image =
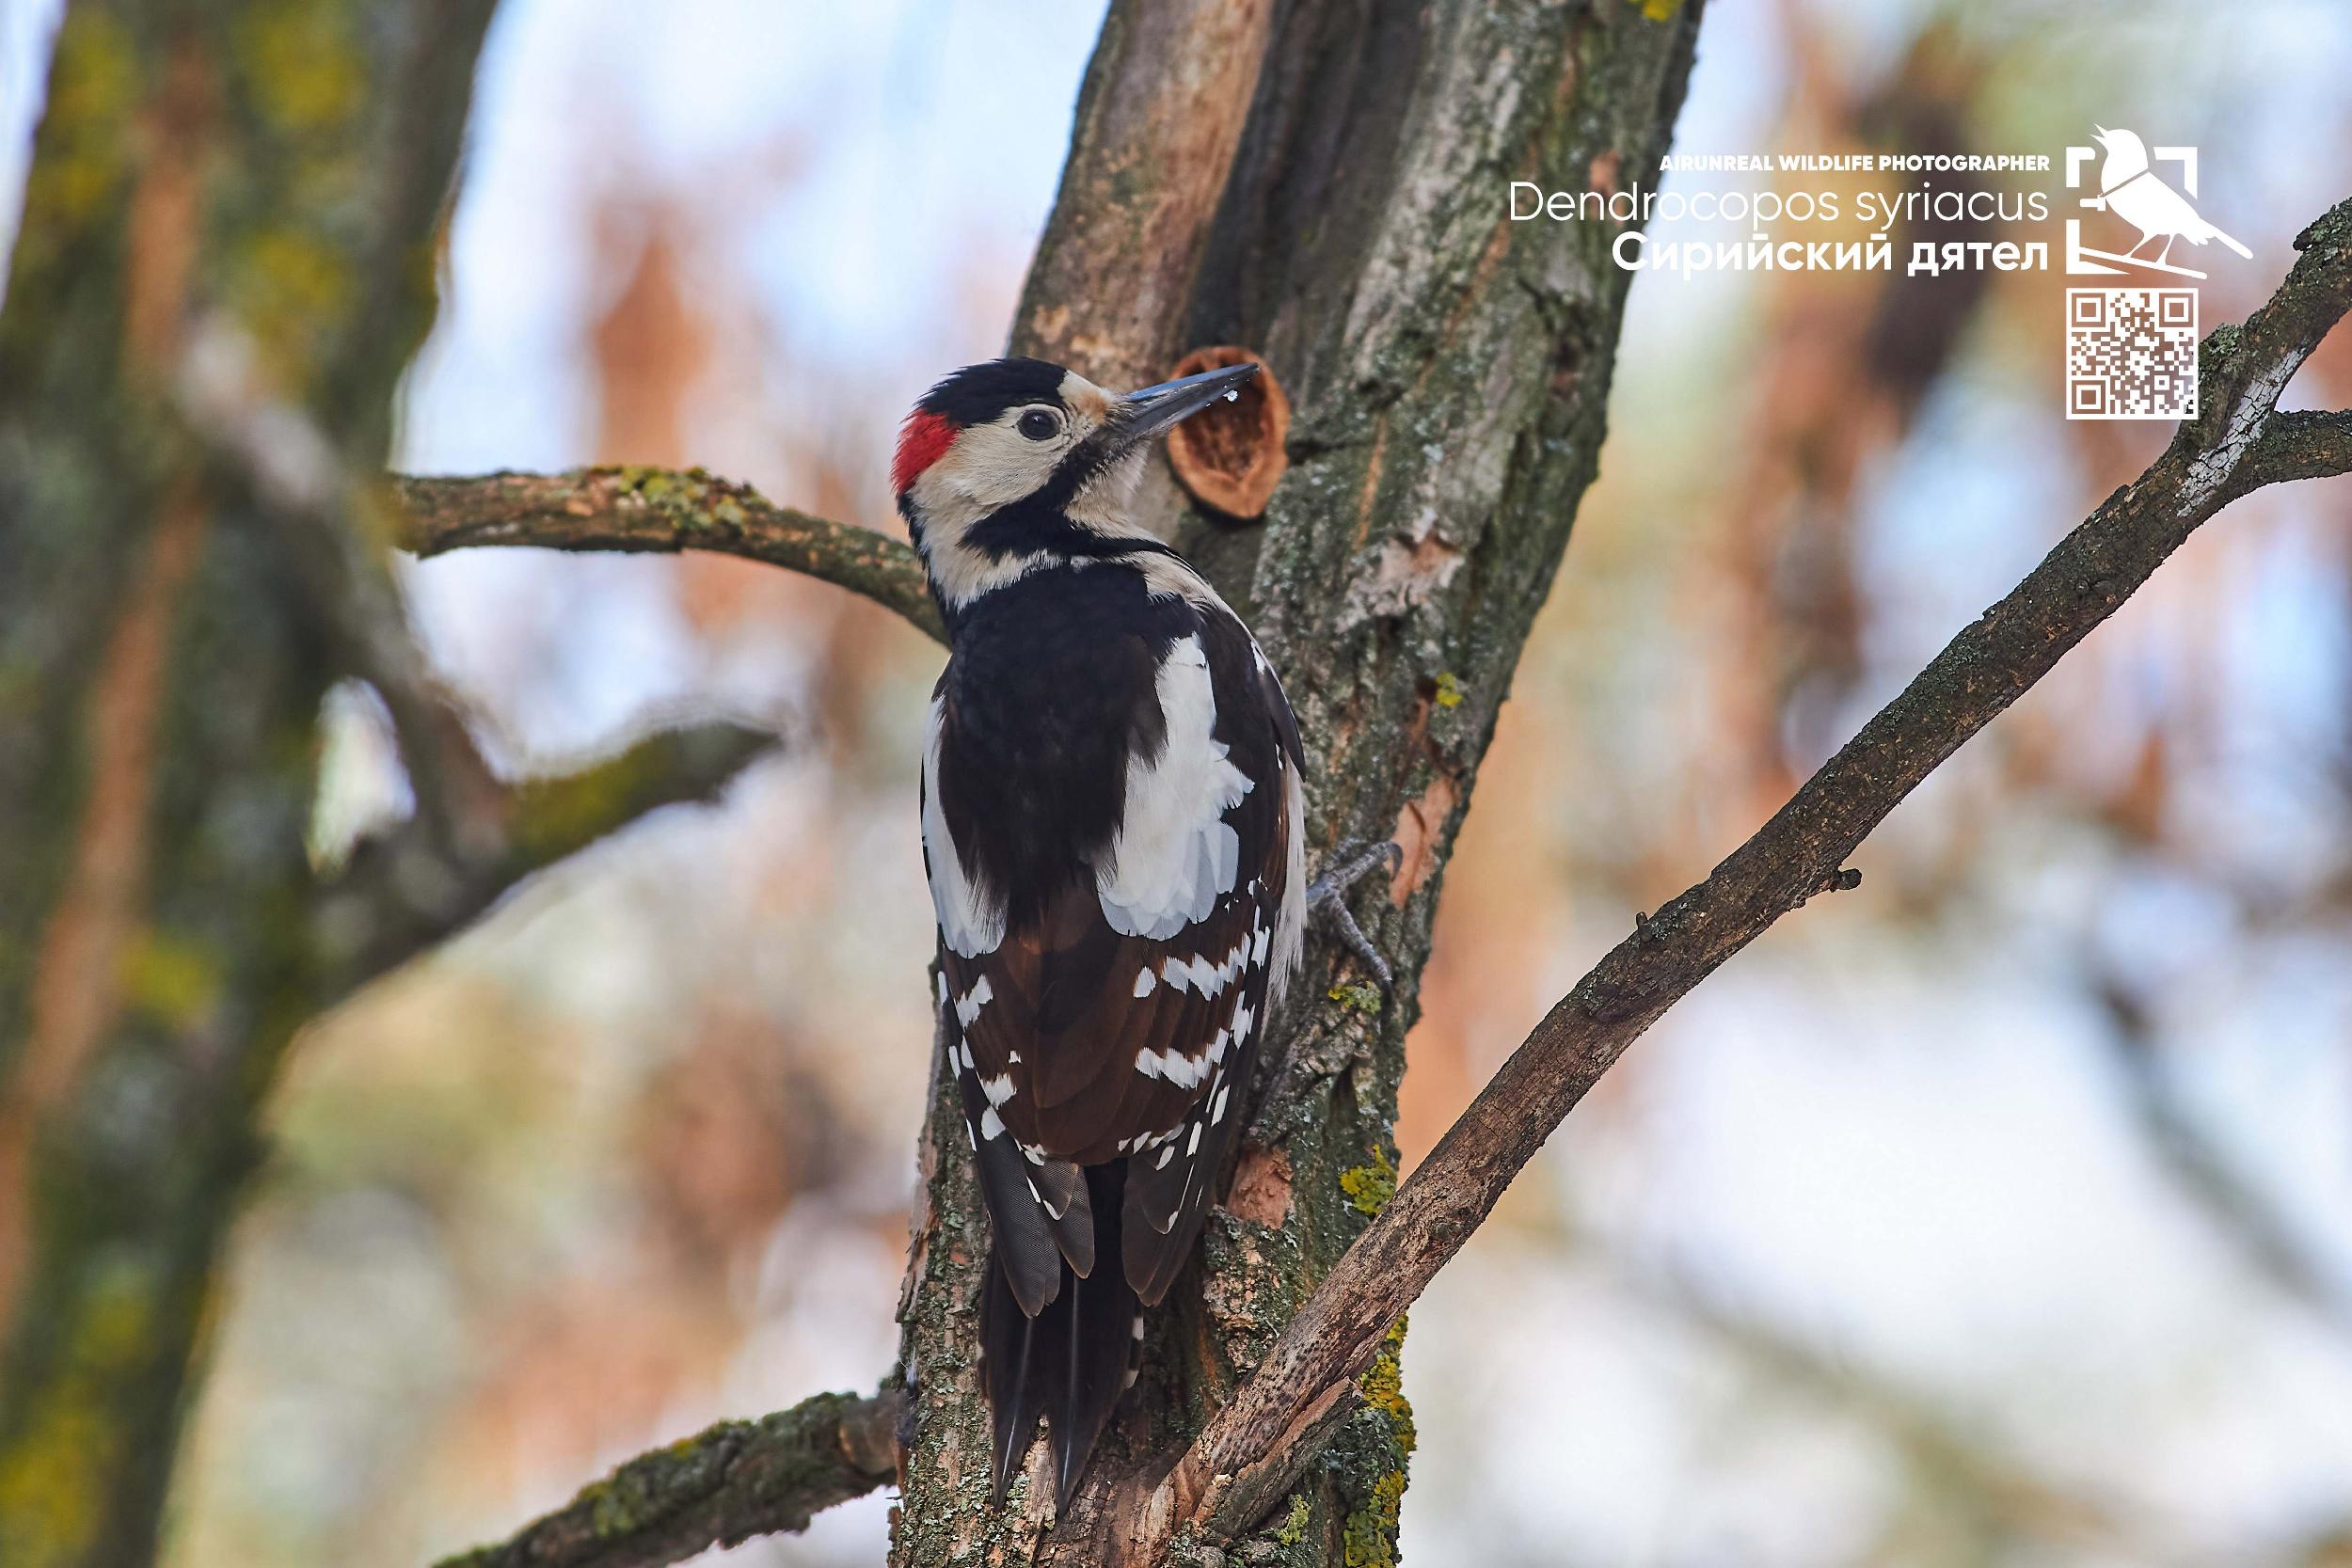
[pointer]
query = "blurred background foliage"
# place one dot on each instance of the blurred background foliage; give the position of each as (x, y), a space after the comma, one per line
(1999, 1212)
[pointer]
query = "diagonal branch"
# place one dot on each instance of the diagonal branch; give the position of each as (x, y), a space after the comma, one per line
(2299, 444)
(400, 894)
(721, 1486)
(321, 511)
(1801, 851)
(664, 511)
(2242, 1215)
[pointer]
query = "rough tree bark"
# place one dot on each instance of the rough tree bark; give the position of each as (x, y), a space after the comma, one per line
(226, 260)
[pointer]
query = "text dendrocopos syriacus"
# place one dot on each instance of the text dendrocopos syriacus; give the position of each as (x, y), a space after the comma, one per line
(1112, 823)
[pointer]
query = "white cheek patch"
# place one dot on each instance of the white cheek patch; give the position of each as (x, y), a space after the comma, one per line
(1175, 854)
(990, 467)
(970, 922)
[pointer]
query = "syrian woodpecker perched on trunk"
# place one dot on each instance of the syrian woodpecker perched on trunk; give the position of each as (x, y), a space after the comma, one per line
(1112, 827)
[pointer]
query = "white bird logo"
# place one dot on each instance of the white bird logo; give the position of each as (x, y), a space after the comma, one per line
(2131, 190)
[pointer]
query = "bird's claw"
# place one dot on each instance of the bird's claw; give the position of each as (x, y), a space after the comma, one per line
(1327, 894)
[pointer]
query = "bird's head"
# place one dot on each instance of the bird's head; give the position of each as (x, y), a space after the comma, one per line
(1012, 460)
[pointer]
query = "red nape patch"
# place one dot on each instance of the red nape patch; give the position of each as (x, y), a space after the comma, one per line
(925, 438)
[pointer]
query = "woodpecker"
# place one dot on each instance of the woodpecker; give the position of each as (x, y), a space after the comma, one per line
(1113, 830)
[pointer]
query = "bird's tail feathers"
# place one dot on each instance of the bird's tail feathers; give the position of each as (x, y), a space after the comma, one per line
(1070, 1363)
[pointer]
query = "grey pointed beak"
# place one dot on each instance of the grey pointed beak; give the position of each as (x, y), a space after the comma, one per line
(1152, 410)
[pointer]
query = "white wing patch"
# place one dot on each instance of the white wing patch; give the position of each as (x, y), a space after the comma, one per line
(1289, 921)
(1175, 853)
(969, 922)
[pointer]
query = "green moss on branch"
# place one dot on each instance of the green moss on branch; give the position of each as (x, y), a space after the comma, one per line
(662, 509)
(719, 1487)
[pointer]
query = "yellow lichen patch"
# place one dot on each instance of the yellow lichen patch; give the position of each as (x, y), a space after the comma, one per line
(170, 979)
(1383, 1387)
(1357, 997)
(1369, 1534)
(1370, 1187)
(93, 89)
(300, 65)
(1294, 1528)
(52, 1472)
(1449, 689)
(294, 289)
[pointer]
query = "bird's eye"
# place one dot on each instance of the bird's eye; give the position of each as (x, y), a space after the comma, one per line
(1040, 424)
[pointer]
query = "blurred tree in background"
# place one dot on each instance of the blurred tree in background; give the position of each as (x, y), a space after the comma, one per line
(225, 264)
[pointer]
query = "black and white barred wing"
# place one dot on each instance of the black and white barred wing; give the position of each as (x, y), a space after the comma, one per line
(1122, 1025)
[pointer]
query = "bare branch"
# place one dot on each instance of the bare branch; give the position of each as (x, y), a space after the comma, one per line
(2000, 1488)
(2300, 444)
(721, 1486)
(400, 894)
(663, 511)
(473, 837)
(1982, 671)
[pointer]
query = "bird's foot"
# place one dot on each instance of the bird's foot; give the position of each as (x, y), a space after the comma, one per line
(1326, 896)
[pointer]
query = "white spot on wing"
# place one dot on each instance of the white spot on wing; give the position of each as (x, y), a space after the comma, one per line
(1184, 1071)
(1144, 981)
(992, 1125)
(969, 1005)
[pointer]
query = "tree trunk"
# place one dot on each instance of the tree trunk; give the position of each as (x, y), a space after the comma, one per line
(1448, 372)
(275, 172)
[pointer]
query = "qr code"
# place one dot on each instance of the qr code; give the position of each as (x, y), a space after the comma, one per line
(2131, 354)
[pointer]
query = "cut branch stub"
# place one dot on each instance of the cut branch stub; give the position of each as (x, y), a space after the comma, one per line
(1229, 455)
